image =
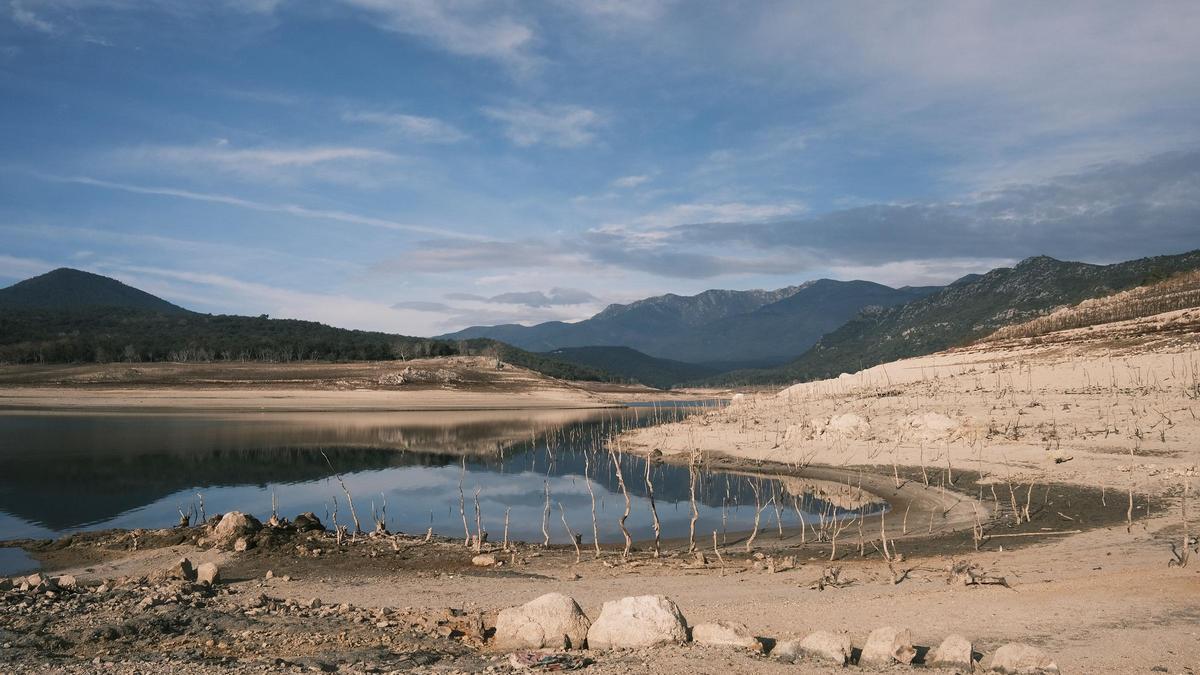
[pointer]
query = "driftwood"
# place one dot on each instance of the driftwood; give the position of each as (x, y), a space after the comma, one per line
(969, 574)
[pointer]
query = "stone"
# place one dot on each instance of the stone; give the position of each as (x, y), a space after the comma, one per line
(66, 581)
(314, 603)
(35, 580)
(182, 570)
(954, 652)
(725, 634)
(886, 646)
(553, 621)
(307, 521)
(208, 574)
(787, 651)
(638, 621)
(1018, 657)
(827, 646)
(233, 525)
(484, 560)
(241, 544)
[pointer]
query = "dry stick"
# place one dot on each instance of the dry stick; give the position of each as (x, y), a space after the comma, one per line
(504, 546)
(692, 500)
(717, 550)
(653, 510)
(587, 479)
(478, 523)
(800, 517)
(1013, 496)
(628, 504)
(203, 517)
(904, 524)
(1129, 513)
(570, 533)
(1028, 501)
(1187, 540)
(546, 516)
(349, 499)
(755, 488)
(462, 504)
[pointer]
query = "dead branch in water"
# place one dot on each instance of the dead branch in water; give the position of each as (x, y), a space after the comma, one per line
(592, 493)
(349, 499)
(570, 533)
(653, 509)
(546, 516)
(628, 505)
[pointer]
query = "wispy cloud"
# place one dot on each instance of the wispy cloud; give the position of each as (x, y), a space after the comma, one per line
(25, 17)
(290, 209)
(630, 182)
(464, 27)
(564, 126)
(412, 127)
(321, 162)
(555, 297)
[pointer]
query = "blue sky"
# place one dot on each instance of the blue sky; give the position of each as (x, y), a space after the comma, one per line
(418, 165)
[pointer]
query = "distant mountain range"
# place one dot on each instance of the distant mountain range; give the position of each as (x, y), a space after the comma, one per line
(70, 316)
(966, 310)
(717, 328)
(814, 330)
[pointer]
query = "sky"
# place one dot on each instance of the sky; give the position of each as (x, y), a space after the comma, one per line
(418, 166)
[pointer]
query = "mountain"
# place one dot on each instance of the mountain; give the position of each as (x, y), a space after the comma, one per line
(70, 289)
(967, 309)
(723, 329)
(70, 316)
(632, 364)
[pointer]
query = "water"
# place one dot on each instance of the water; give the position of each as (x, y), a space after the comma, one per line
(65, 473)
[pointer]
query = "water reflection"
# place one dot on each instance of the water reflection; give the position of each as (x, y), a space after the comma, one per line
(63, 473)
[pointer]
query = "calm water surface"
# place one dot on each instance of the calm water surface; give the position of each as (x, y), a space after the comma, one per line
(65, 473)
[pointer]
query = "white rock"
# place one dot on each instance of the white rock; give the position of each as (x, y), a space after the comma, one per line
(484, 560)
(954, 652)
(66, 581)
(725, 634)
(786, 650)
(233, 525)
(886, 646)
(827, 646)
(638, 621)
(552, 621)
(1018, 657)
(182, 570)
(208, 574)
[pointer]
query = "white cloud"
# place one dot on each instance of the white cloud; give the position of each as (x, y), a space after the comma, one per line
(413, 127)
(290, 209)
(262, 162)
(13, 267)
(465, 27)
(564, 126)
(630, 182)
(23, 16)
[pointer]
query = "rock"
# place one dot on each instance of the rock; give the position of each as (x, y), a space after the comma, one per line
(182, 570)
(639, 621)
(552, 621)
(314, 603)
(208, 574)
(886, 646)
(787, 651)
(725, 634)
(66, 581)
(484, 560)
(241, 544)
(954, 652)
(307, 521)
(232, 526)
(35, 580)
(1018, 657)
(827, 646)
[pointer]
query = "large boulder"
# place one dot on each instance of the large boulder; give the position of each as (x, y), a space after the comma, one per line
(232, 526)
(307, 521)
(1019, 658)
(886, 646)
(639, 621)
(552, 621)
(208, 574)
(955, 652)
(725, 634)
(827, 646)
